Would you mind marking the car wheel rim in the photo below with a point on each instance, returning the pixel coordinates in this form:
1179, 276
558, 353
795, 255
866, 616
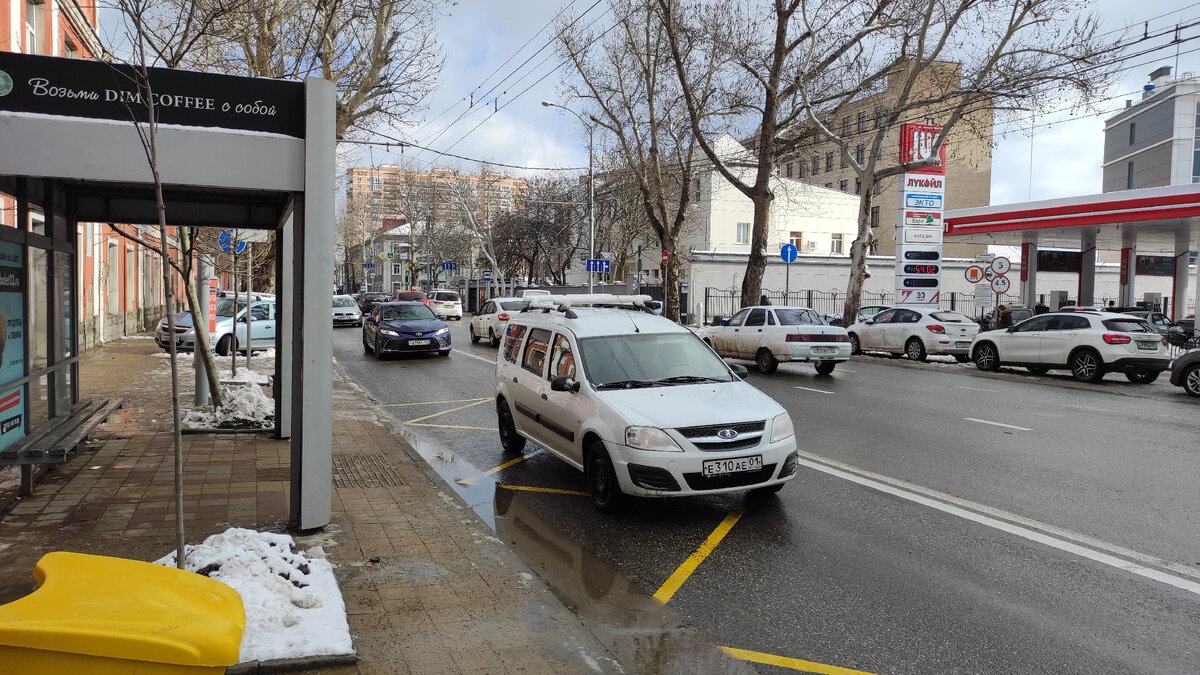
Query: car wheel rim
984, 357
1192, 381
1085, 366
914, 351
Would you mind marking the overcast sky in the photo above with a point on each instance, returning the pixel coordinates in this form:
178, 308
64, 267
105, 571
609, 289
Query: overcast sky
481, 35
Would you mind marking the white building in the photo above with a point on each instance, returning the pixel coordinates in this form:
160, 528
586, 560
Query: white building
1155, 142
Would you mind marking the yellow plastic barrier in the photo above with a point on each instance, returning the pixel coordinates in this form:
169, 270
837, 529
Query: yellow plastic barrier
99, 615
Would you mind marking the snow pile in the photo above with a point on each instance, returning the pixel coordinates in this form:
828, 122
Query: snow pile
244, 406
293, 606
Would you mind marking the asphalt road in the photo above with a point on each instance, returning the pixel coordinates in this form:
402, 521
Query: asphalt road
944, 520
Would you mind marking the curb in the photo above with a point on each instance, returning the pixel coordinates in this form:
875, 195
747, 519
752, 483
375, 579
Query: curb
293, 665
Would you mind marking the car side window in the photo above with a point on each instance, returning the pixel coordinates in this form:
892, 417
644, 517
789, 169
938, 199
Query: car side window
562, 359
758, 317
1073, 323
739, 318
883, 317
535, 351
906, 316
487, 309
1035, 324
512, 341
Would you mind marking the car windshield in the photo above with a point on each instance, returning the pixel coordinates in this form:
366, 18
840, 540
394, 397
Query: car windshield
405, 312
225, 306
650, 359
789, 316
344, 301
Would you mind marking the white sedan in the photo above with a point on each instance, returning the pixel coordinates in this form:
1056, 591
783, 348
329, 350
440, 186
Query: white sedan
491, 319
916, 333
770, 334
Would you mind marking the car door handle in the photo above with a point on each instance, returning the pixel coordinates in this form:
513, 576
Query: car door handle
544, 398
514, 379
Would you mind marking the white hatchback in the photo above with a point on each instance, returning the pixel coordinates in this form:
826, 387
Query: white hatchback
916, 333
1088, 343
491, 319
637, 402
446, 303
770, 334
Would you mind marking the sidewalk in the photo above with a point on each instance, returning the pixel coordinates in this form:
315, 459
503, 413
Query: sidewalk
428, 587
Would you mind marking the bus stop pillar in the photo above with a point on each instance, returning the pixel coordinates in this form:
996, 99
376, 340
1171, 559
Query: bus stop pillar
1029, 251
1087, 268
1183, 250
1128, 267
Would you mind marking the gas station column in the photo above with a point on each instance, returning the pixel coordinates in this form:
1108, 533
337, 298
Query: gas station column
1087, 267
1183, 249
1128, 266
1029, 257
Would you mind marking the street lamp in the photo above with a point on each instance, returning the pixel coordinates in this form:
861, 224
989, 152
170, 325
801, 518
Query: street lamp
591, 186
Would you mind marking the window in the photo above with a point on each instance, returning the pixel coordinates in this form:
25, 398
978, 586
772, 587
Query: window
845, 126
789, 170
562, 360
800, 167
843, 160
874, 216
862, 121
829, 185
835, 243
1129, 176
816, 165
796, 239
743, 233
878, 187
397, 269
829, 161
35, 26
860, 153
1132, 132
758, 317
843, 184
512, 341
535, 351
70, 50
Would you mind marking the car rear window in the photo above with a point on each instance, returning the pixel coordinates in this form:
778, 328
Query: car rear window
446, 297
799, 317
1127, 326
410, 295
951, 317
512, 305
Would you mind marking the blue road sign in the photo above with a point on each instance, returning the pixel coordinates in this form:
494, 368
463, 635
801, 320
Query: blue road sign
601, 265
368, 266
788, 253
487, 275
449, 265
226, 241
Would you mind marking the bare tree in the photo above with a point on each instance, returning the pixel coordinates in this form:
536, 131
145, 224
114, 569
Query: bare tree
357, 222
626, 77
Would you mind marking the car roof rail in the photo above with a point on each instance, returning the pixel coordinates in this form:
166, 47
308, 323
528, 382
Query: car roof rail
566, 303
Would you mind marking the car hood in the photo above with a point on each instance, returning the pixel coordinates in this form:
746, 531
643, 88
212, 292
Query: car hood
689, 405
991, 333
422, 326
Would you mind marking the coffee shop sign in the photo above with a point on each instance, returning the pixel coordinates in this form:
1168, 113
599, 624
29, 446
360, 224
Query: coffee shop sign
40, 86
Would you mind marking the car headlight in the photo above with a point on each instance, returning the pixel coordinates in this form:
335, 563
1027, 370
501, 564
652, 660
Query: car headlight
650, 438
441, 331
390, 333
781, 428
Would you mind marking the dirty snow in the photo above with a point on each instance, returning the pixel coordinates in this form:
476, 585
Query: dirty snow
293, 605
244, 405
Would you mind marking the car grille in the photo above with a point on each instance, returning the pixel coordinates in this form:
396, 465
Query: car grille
698, 481
706, 437
652, 478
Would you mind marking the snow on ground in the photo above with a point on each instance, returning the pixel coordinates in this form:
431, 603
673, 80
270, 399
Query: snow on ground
293, 605
244, 405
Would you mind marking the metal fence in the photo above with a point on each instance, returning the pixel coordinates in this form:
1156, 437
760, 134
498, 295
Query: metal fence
726, 302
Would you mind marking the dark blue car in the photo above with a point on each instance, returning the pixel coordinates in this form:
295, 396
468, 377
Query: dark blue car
404, 327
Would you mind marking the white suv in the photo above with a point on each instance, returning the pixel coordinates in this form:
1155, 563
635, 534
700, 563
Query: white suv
637, 402
1088, 343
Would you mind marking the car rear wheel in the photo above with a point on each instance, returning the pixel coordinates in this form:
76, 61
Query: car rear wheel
602, 480
1086, 366
915, 349
1142, 376
986, 357
366, 345
224, 345
1191, 380
854, 346
1037, 370
826, 367
492, 336
766, 361
509, 438
474, 337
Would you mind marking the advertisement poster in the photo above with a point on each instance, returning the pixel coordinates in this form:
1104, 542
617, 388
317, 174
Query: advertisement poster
12, 342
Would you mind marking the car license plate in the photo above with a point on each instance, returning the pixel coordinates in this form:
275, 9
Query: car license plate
824, 350
720, 467
417, 343
962, 345
1147, 345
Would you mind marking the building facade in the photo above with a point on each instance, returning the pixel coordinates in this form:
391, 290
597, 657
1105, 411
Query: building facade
1155, 142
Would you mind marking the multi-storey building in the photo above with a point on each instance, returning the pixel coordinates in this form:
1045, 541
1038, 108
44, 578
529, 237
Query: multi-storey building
968, 155
437, 194
1155, 141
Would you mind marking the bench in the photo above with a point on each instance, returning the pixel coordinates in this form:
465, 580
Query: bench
54, 440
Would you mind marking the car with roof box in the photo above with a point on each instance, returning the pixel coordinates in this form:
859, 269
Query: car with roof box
639, 404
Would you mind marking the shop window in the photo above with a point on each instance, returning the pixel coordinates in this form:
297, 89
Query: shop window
38, 320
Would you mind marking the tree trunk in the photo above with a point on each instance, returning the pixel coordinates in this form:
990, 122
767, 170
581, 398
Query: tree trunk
757, 264
858, 259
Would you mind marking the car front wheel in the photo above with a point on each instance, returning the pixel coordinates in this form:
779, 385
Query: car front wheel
766, 361
474, 337
602, 480
855, 348
1142, 376
1191, 380
986, 357
1086, 366
224, 345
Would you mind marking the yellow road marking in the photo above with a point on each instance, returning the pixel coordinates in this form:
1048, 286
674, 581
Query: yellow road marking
528, 488
461, 407
469, 481
668, 589
787, 662
457, 400
449, 426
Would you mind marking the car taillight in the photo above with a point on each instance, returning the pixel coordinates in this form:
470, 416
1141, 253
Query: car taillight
935, 328
1117, 338
502, 316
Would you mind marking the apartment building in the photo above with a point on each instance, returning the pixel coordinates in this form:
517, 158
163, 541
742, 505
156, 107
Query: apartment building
1155, 141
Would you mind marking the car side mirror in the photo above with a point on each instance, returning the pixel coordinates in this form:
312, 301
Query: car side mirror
739, 370
371, 318
564, 383
869, 322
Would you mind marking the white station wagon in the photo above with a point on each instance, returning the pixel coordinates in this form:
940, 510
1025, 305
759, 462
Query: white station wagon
768, 335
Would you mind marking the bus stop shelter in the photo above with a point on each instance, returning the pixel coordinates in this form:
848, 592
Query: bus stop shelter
238, 152
1152, 230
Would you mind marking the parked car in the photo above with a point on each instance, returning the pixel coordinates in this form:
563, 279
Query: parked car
446, 303
1088, 343
231, 331
1185, 372
405, 327
491, 319
637, 402
1160, 322
367, 301
770, 334
405, 296
1188, 324
185, 332
346, 311
870, 311
915, 332
991, 320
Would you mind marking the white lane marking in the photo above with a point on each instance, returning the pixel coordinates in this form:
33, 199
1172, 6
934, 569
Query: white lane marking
466, 353
997, 424
910, 493
819, 391
990, 391
846, 370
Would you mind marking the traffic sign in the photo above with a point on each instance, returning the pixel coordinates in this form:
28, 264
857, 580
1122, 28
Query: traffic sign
487, 275
449, 265
664, 257
788, 253
368, 266
227, 240
974, 274
1000, 284
1002, 265
389, 255
990, 274
600, 265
